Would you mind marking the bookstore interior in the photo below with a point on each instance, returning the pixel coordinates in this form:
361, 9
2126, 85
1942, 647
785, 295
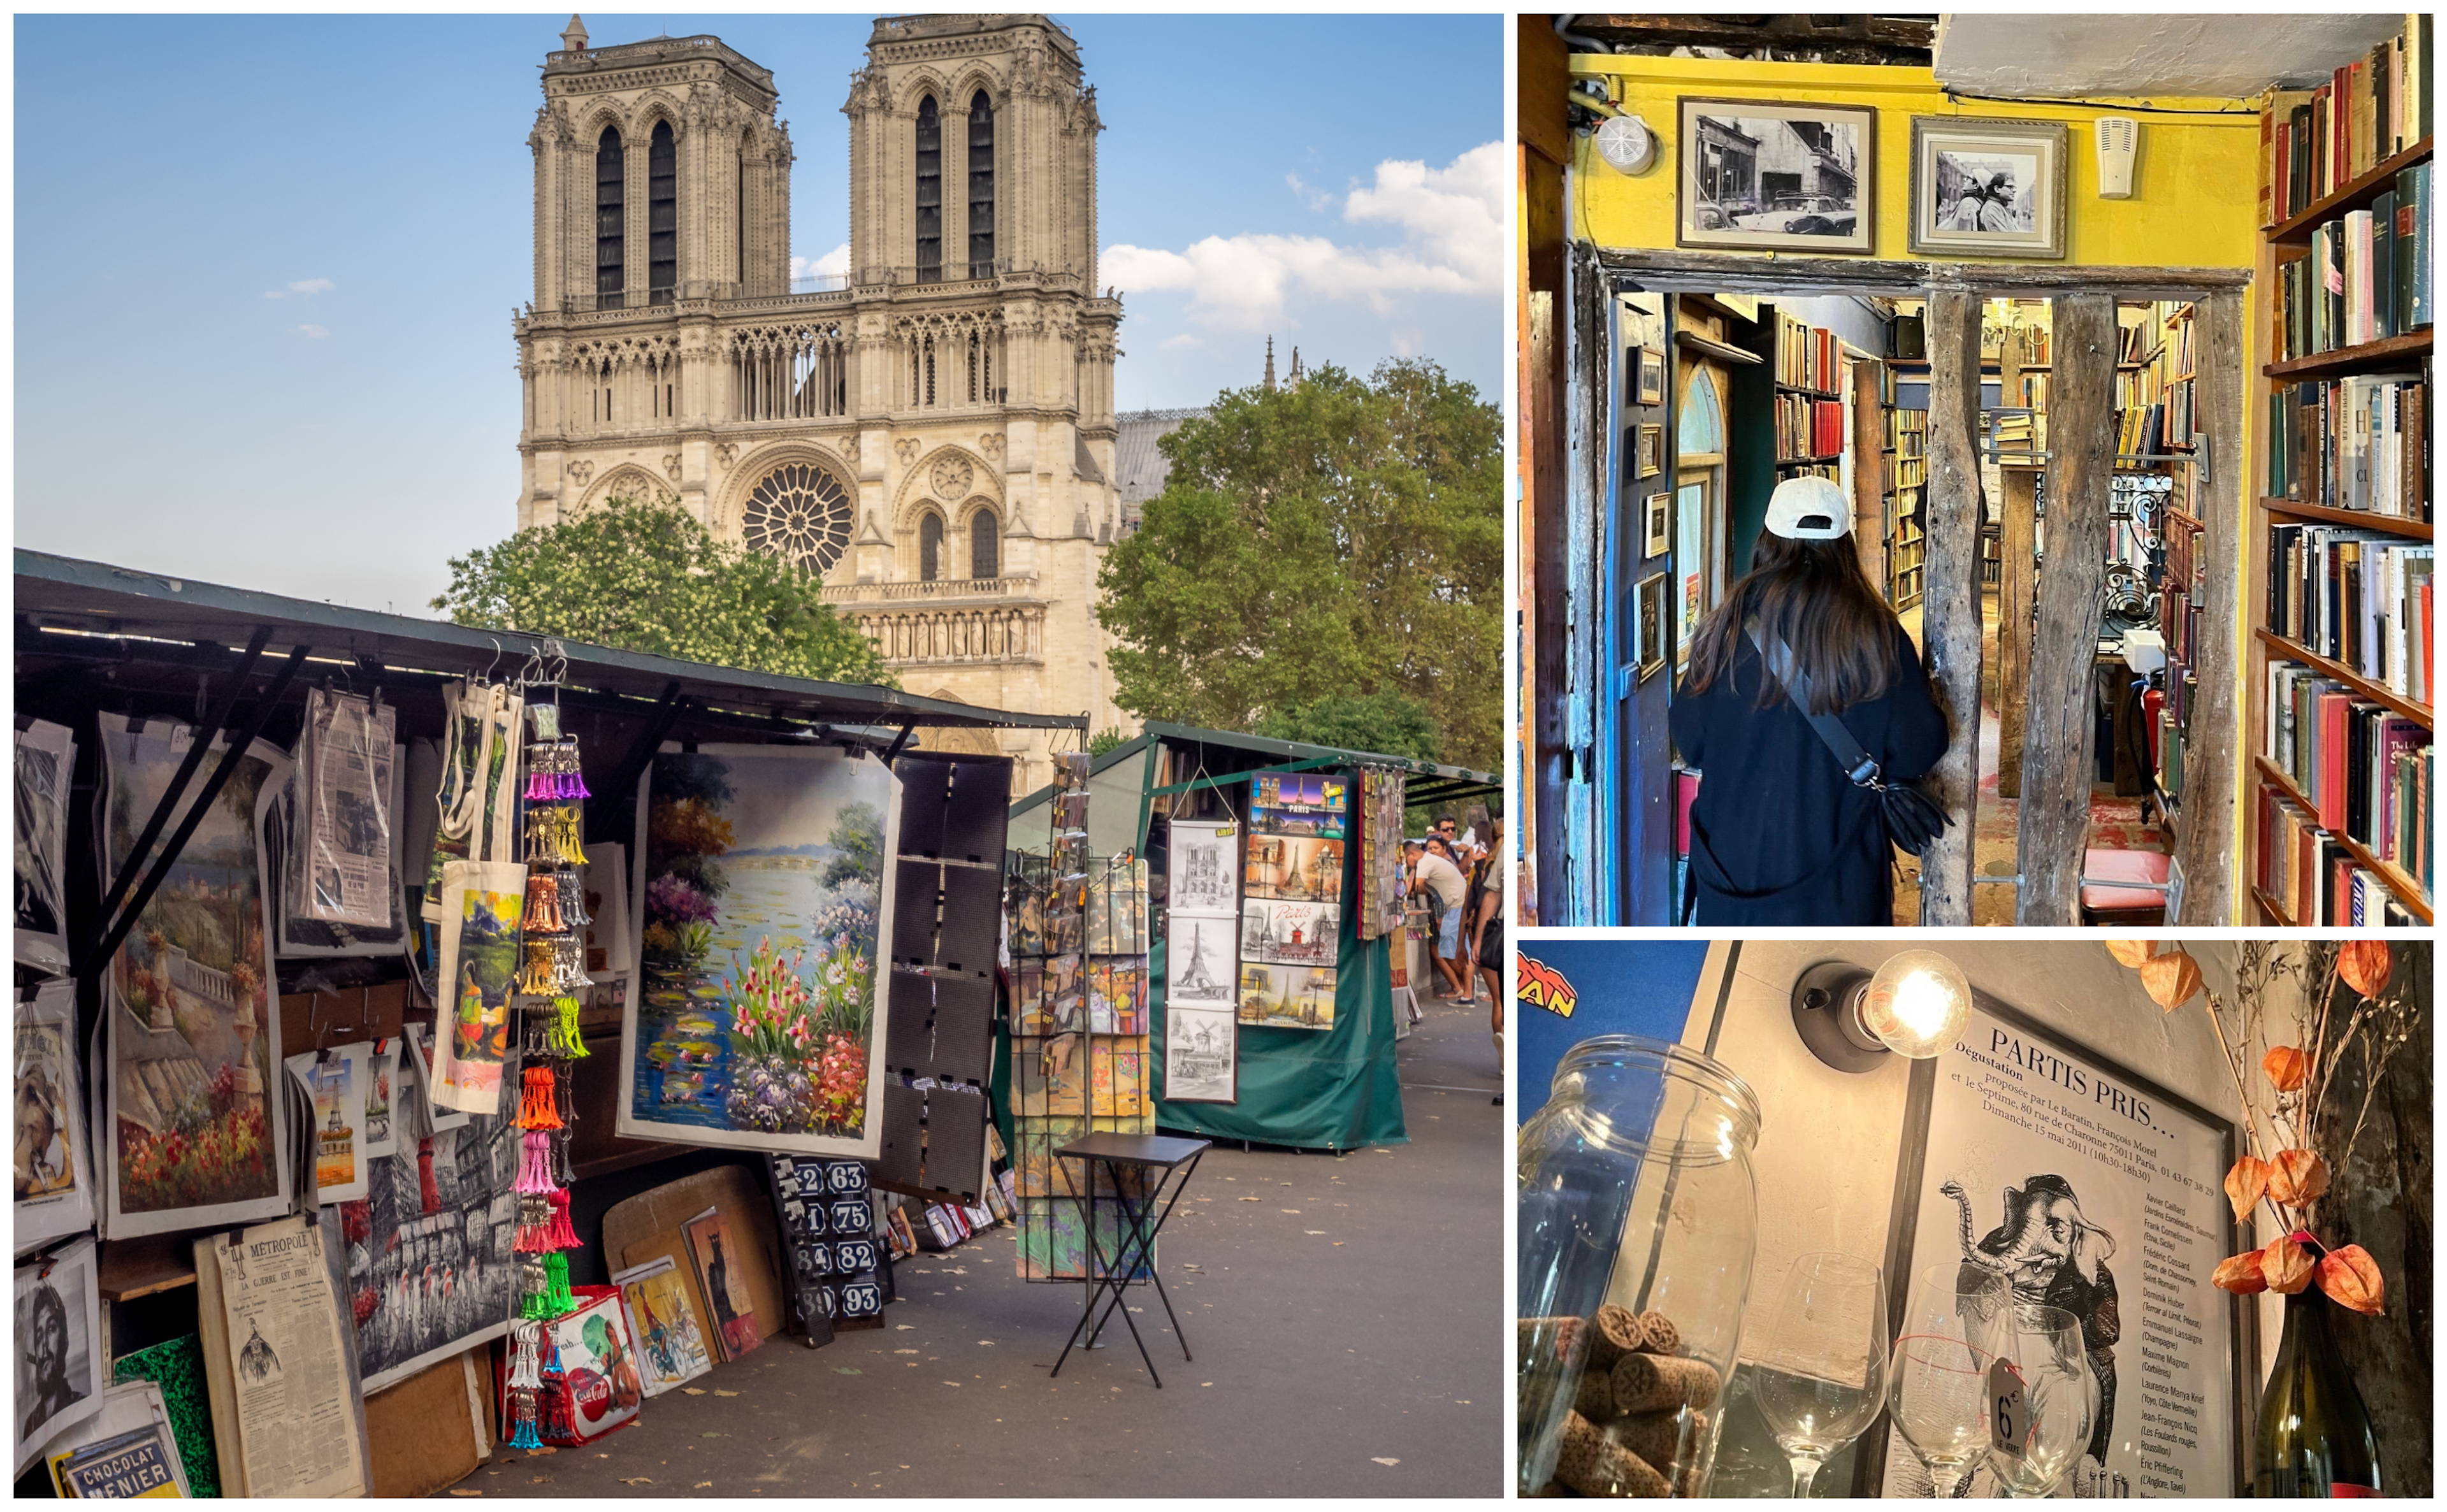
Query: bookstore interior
2202, 523
432, 1041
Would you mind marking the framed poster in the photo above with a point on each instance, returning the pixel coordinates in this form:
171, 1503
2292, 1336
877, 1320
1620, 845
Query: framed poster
1653, 633
2095, 1190
1757, 175
761, 915
1201, 1060
1655, 507
1648, 375
1202, 1037
1988, 188
60, 1366
45, 759
193, 1118
1652, 461
338, 1087
54, 1182
431, 1248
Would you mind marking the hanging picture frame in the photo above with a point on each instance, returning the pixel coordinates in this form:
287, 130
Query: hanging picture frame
55, 1180
1660, 533
60, 1367
1761, 175
1648, 383
45, 762
1650, 606
1988, 188
1652, 453
762, 916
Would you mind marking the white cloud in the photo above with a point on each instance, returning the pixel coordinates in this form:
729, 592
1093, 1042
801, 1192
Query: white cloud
1313, 198
1182, 343
1452, 220
302, 289
312, 332
833, 264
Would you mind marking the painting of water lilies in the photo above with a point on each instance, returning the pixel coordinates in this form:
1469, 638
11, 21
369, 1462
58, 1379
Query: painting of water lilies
759, 905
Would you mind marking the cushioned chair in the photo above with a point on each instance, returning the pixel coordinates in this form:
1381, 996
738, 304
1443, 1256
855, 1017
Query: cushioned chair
2124, 886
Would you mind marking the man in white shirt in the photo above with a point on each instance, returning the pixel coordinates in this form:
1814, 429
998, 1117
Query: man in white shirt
1441, 880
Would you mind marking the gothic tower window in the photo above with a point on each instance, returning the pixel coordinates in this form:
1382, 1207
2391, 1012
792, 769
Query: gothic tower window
930, 547
985, 557
930, 372
982, 206
662, 217
610, 199
930, 193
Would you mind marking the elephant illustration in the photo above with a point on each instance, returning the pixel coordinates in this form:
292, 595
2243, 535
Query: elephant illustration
2053, 1256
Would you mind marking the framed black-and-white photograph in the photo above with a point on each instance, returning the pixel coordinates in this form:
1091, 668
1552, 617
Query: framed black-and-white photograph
59, 1347
1650, 383
1759, 175
1652, 450
1660, 533
1988, 188
1650, 626
2091, 1188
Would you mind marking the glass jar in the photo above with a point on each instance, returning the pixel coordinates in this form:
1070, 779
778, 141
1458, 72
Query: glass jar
1636, 1204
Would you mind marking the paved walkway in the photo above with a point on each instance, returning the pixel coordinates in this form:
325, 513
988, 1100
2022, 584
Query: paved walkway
1348, 1317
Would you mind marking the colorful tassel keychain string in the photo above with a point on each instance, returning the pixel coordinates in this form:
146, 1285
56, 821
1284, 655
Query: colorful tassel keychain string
535, 1109
560, 1234
535, 1226
541, 970
543, 903
573, 899
534, 1169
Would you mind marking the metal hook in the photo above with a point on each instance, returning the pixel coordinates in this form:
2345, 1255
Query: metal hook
487, 676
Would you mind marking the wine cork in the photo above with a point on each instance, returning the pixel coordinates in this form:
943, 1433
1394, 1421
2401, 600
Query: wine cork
1595, 1399
1648, 1383
1586, 1462
1657, 1437
1563, 1333
1664, 1337
1613, 1333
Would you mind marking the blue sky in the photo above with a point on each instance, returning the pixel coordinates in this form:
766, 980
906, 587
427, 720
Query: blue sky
265, 277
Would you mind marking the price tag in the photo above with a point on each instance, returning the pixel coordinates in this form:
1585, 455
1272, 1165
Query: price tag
2008, 1421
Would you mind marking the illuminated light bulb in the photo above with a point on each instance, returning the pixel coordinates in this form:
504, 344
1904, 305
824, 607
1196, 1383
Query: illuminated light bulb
1916, 1004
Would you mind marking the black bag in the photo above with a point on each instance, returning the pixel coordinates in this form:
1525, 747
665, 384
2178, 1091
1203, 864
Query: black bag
1912, 818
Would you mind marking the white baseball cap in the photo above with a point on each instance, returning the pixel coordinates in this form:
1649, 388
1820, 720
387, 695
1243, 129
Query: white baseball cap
1809, 508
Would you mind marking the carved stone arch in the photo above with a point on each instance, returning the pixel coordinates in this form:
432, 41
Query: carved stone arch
817, 512
980, 509
922, 82
976, 76
912, 544
919, 488
657, 105
603, 113
956, 738
629, 481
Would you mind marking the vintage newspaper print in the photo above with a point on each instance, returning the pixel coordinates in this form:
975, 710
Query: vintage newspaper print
293, 1403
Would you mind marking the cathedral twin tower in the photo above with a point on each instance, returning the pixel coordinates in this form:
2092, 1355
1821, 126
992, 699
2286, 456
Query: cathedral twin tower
932, 432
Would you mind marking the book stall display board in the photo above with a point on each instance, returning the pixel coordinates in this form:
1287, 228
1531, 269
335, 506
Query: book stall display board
334, 902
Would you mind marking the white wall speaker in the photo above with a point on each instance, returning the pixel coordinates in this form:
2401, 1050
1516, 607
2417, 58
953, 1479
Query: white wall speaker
2119, 141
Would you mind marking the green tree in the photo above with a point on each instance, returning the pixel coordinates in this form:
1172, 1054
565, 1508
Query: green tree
1344, 538
858, 834
643, 576
1104, 740
1386, 722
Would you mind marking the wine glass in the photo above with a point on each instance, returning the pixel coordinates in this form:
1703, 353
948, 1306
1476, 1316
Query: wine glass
1822, 1375
1937, 1386
2044, 1349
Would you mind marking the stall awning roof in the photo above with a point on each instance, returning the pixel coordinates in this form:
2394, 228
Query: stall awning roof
1428, 782
65, 593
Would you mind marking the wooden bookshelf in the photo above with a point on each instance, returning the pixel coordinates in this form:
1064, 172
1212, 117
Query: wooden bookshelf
2408, 892
2386, 351
1809, 462
2356, 195
2376, 693
2288, 239
2361, 519
1783, 387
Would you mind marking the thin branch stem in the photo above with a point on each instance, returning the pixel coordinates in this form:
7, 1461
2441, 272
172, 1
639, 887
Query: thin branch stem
2243, 1096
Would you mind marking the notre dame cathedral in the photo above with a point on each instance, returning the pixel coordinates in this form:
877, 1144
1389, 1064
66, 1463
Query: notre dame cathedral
930, 432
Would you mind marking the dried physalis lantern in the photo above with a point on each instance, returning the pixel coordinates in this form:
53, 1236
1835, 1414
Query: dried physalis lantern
2364, 965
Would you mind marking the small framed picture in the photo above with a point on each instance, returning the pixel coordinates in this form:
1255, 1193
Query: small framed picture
1652, 376
1650, 612
1988, 188
1652, 450
1660, 534
1758, 175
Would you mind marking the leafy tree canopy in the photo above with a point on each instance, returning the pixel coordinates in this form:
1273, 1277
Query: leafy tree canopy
1386, 722
1104, 740
858, 834
643, 576
1341, 539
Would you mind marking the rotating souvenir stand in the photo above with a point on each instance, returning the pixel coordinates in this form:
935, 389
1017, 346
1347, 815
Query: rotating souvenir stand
551, 977
1078, 942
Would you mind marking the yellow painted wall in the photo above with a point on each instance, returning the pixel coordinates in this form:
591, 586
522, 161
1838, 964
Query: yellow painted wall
2194, 190
2194, 204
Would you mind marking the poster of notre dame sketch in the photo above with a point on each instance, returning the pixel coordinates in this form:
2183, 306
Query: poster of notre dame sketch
1202, 963
2094, 1191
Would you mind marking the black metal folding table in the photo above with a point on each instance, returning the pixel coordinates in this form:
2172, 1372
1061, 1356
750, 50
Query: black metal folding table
1143, 1152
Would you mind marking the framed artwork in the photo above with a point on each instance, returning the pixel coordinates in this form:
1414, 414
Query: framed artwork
59, 1345
1758, 175
715, 1254
335, 1083
45, 757
1650, 380
2087, 1185
464, 1226
192, 1057
1650, 609
1660, 525
760, 912
670, 1345
1652, 450
1988, 188
1286, 996
1202, 1061
54, 1185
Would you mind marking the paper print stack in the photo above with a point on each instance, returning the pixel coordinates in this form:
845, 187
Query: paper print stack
760, 889
1291, 924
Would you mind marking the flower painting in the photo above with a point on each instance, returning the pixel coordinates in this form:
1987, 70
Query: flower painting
193, 1123
761, 902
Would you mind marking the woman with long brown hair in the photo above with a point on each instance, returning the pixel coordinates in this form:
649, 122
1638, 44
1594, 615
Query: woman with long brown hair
1780, 833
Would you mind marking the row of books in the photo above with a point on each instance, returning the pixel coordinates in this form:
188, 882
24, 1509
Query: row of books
1808, 427
2317, 881
1806, 356
2181, 541
2367, 275
2340, 750
2141, 432
1907, 432
2315, 141
2358, 443
2140, 344
2357, 598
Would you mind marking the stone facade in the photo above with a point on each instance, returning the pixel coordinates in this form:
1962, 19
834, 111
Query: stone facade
932, 432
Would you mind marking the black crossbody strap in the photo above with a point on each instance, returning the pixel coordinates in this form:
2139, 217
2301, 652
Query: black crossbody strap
1857, 763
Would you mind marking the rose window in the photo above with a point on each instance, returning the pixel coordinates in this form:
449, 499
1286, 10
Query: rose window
800, 513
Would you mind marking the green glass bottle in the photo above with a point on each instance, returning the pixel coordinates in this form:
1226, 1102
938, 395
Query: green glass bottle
2314, 1437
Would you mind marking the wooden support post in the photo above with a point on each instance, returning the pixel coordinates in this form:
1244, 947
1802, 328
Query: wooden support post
2060, 744
2017, 549
2205, 828
1950, 629
1870, 470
